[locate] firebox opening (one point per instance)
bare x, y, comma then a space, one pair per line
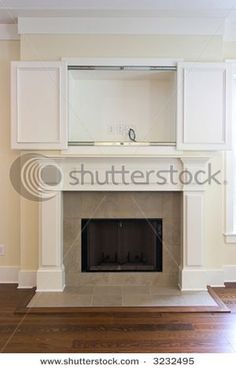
119, 245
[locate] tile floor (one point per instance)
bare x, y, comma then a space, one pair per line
121, 296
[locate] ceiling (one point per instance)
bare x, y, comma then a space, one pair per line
10, 10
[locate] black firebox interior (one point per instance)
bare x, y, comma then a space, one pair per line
119, 245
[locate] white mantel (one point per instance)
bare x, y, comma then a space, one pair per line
193, 274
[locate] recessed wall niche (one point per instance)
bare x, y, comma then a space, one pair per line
105, 104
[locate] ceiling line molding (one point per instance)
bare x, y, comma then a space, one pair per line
118, 4
9, 32
122, 25
230, 30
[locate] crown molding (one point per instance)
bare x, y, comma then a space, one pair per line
230, 30
8, 32
122, 25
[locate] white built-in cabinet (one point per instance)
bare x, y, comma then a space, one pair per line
198, 110
204, 106
38, 105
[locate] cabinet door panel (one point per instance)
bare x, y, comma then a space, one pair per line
38, 105
204, 116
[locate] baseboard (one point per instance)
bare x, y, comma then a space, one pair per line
9, 274
190, 279
27, 278
230, 273
50, 280
198, 279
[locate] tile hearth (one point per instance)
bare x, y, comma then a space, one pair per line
121, 295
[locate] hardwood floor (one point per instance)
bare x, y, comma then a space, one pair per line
121, 331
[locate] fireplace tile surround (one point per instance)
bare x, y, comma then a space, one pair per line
165, 205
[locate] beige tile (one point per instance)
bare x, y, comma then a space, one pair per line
160, 291
156, 300
80, 290
134, 279
75, 300
60, 299
160, 297
95, 279
165, 300
72, 258
107, 290
71, 278
165, 279
199, 298
170, 260
107, 300
71, 230
139, 300
135, 290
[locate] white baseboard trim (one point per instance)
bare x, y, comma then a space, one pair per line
198, 279
50, 280
54, 280
9, 274
230, 273
27, 278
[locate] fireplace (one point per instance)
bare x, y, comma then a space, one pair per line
121, 245
181, 208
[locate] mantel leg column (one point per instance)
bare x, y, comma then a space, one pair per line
193, 275
51, 275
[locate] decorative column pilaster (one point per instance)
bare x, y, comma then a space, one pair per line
51, 275
192, 273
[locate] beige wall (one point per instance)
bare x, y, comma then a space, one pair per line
9, 199
23, 213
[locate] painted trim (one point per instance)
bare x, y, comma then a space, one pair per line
51, 273
122, 25
193, 228
121, 151
230, 238
50, 280
9, 274
9, 32
183, 121
18, 142
190, 279
230, 273
111, 61
230, 212
198, 279
193, 279
230, 30
27, 278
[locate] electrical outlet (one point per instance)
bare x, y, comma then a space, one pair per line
110, 129
2, 250
119, 129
